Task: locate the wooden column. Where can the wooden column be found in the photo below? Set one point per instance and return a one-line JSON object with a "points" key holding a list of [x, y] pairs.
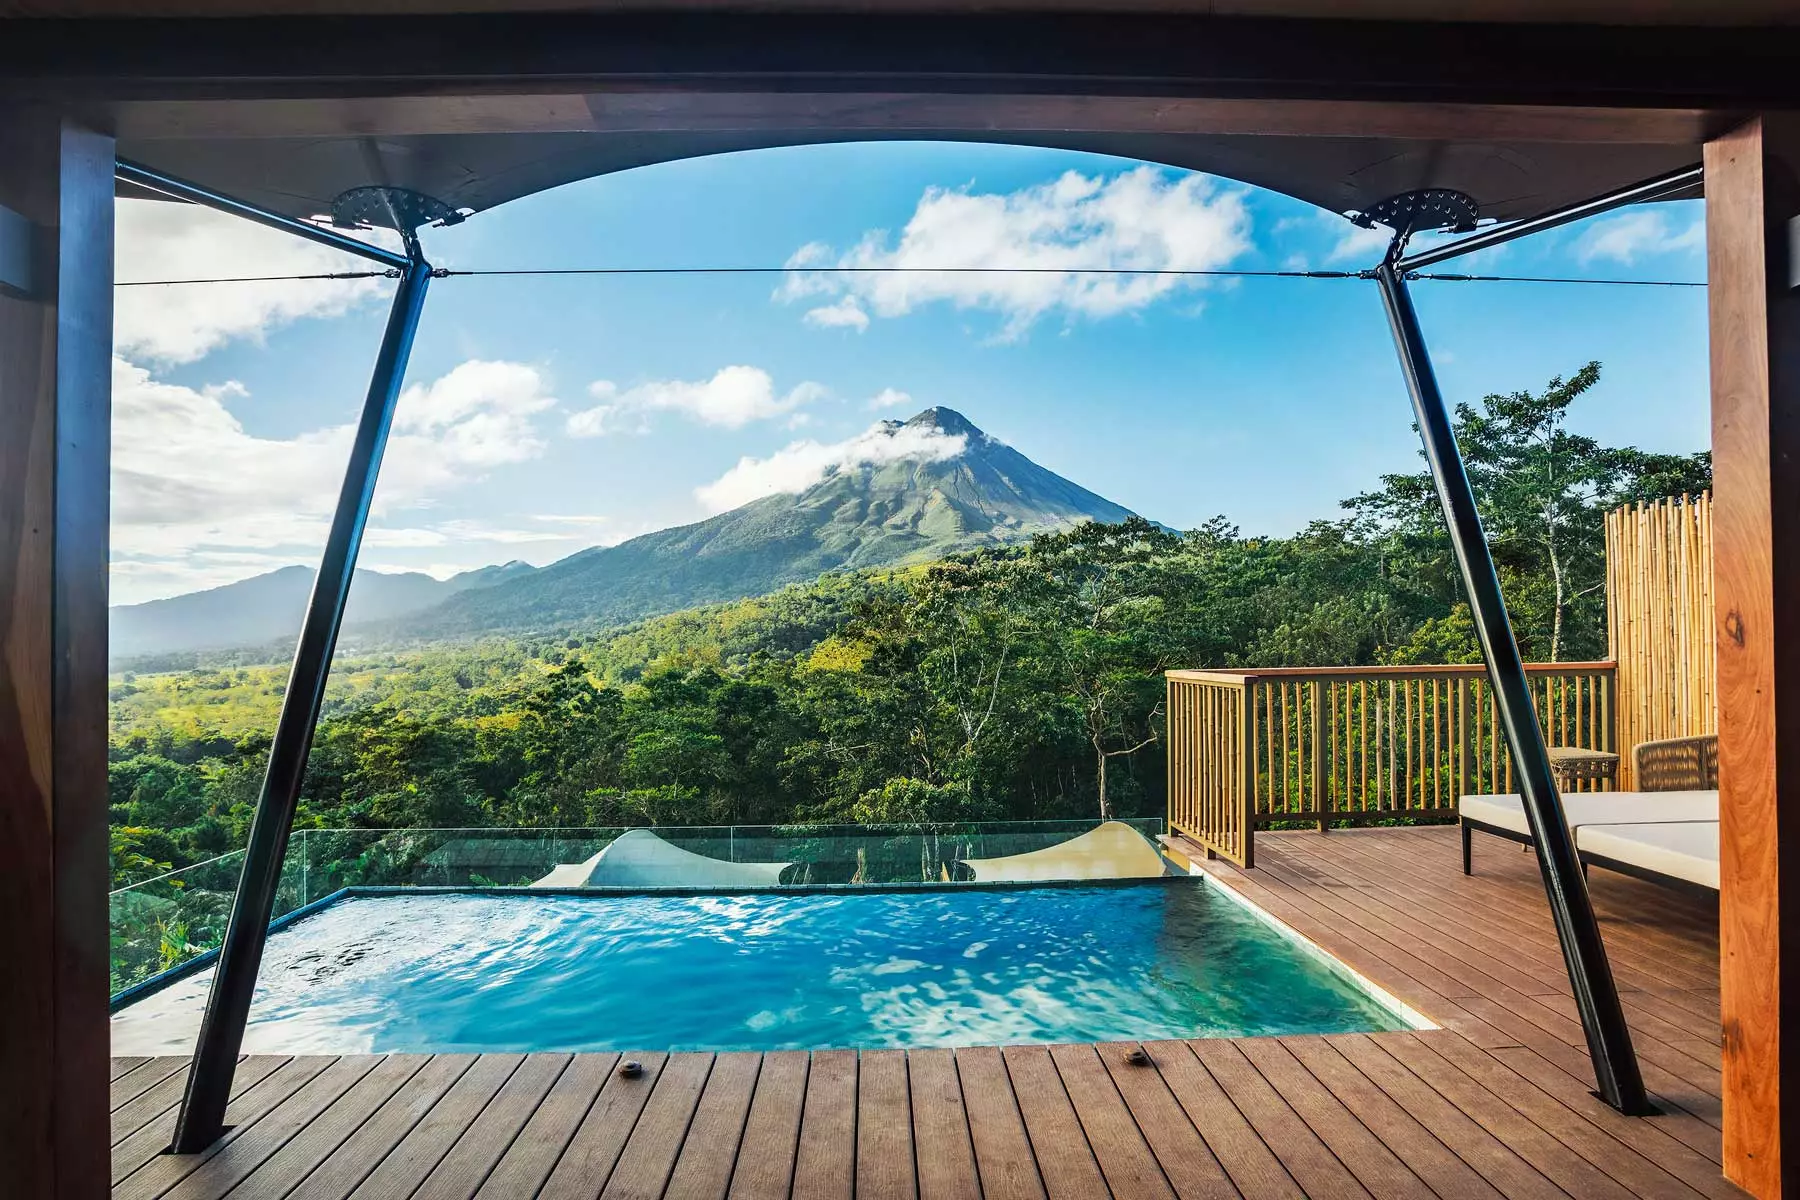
{"points": [[55, 387], [1753, 191]]}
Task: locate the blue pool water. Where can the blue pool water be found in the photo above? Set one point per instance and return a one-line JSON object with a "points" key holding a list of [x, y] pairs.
{"points": [[764, 972]]}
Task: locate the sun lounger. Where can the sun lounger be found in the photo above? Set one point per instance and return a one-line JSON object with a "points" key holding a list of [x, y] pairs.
{"points": [[1682, 851], [1504, 816]]}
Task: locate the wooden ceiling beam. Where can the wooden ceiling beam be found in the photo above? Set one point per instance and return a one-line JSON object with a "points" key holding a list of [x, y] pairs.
{"points": [[1027, 54]]}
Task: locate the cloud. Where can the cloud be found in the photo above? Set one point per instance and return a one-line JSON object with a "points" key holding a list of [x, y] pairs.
{"points": [[572, 518], [1629, 236], [1359, 245], [166, 325], [1145, 219], [477, 416], [847, 313], [197, 498], [889, 398], [731, 399], [799, 465]]}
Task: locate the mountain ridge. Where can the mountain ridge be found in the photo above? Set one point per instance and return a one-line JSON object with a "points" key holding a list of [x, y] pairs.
{"points": [[912, 491]]}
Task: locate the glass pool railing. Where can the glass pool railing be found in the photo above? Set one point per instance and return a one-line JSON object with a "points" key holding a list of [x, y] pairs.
{"points": [[162, 923]]}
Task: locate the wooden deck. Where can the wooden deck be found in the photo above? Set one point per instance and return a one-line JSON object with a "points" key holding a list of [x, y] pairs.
{"points": [[1496, 1103]]}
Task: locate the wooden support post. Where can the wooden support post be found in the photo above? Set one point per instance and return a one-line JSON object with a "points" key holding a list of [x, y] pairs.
{"points": [[55, 389], [1753, 193]]}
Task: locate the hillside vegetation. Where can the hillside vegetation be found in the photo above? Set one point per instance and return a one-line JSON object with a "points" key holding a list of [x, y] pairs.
{"points": [[1021, 680]]}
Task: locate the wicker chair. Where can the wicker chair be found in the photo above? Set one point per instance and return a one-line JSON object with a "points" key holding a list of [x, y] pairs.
{"points": [[1689, 764]]}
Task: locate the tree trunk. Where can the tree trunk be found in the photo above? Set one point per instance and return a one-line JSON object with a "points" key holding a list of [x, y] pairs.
{"points": [[1100, 775]]}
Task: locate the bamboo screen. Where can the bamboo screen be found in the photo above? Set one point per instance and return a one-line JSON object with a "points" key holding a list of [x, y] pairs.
{"points": [[1659, 604]]}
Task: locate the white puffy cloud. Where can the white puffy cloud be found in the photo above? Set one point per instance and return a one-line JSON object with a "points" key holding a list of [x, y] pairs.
{"points": [[1629, 236], [1142, 219], [477, 416], [1357, 244], [799, 465], [199, 500], [731, 399], [161, 240], [889, 398], [846, 313]]}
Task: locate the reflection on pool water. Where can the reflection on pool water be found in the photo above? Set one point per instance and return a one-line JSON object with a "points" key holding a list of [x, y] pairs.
{"points": [[765, 972]]}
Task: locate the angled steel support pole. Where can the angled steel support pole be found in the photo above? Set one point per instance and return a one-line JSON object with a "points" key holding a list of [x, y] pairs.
{"points": [[234, 979], [1602, 1019]]}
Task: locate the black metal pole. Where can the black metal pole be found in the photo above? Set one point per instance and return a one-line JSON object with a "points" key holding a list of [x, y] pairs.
{"points": [[1660, 188], [1602, 1018], [202, 1117], [181, 189]]}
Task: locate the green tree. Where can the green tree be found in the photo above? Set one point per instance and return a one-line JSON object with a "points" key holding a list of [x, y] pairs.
{"points": [[1542, 491]]}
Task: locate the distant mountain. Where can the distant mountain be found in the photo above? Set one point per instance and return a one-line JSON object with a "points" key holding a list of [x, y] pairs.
{"points": [[924, 488], [268, 608]]}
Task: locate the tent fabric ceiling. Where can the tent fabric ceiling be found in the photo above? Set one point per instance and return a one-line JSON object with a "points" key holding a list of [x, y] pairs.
{"points": [[300, 177]]}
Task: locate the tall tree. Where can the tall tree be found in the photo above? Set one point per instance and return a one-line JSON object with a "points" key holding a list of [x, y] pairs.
{"points": [[1543, 492]]}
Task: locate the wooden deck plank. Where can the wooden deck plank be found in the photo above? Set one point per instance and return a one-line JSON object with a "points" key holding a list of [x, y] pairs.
{"points": [[1066, 1162], [825, 1162], [709, 1152], [247, 1142], [1240, 1150], [1529, 943], [423, 1147], [154, 1136], [126, 1063], [1515, 1122], [1452, 1154], [522, 1170], [1007, 1168], [940, 1124], [643, 1169], [1187, 1162], [364, 1150], [1119, 1147], [1307, 1159], [1541, 1089], [308, 1145], [588, 1160], [465, 1168], [133, 1084], [1379, 1169], [765, 1163], [884, 1137], [146, 1106]]}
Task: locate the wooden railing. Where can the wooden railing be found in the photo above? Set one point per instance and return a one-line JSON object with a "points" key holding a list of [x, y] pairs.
{"points": [[1322, 745]]}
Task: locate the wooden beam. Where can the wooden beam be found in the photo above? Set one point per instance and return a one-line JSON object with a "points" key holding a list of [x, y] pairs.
{"points": [[902, 113], [55, 384], [1753, 191], [1020, 53]]}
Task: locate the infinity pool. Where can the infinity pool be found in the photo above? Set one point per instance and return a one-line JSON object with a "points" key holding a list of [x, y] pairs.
{"points": [[764, 972]]}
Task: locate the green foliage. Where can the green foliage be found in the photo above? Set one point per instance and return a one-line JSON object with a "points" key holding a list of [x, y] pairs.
{"points": [[1543, 492], [915, 802], [1016, 682]]}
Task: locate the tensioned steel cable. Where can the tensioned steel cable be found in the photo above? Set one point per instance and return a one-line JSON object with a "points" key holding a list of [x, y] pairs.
{"points": [[451, 273]]}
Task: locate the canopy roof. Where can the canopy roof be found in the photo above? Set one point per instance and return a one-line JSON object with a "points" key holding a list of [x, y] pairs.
{"points": [[301, 177], [641, 859], [1111, 851]]}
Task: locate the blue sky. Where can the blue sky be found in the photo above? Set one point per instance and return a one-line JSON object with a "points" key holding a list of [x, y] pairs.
{"points": [[548, 414]]}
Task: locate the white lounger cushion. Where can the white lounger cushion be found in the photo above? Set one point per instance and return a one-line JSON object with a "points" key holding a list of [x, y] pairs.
{"points": [[1679, 849], [1598, 808]]}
